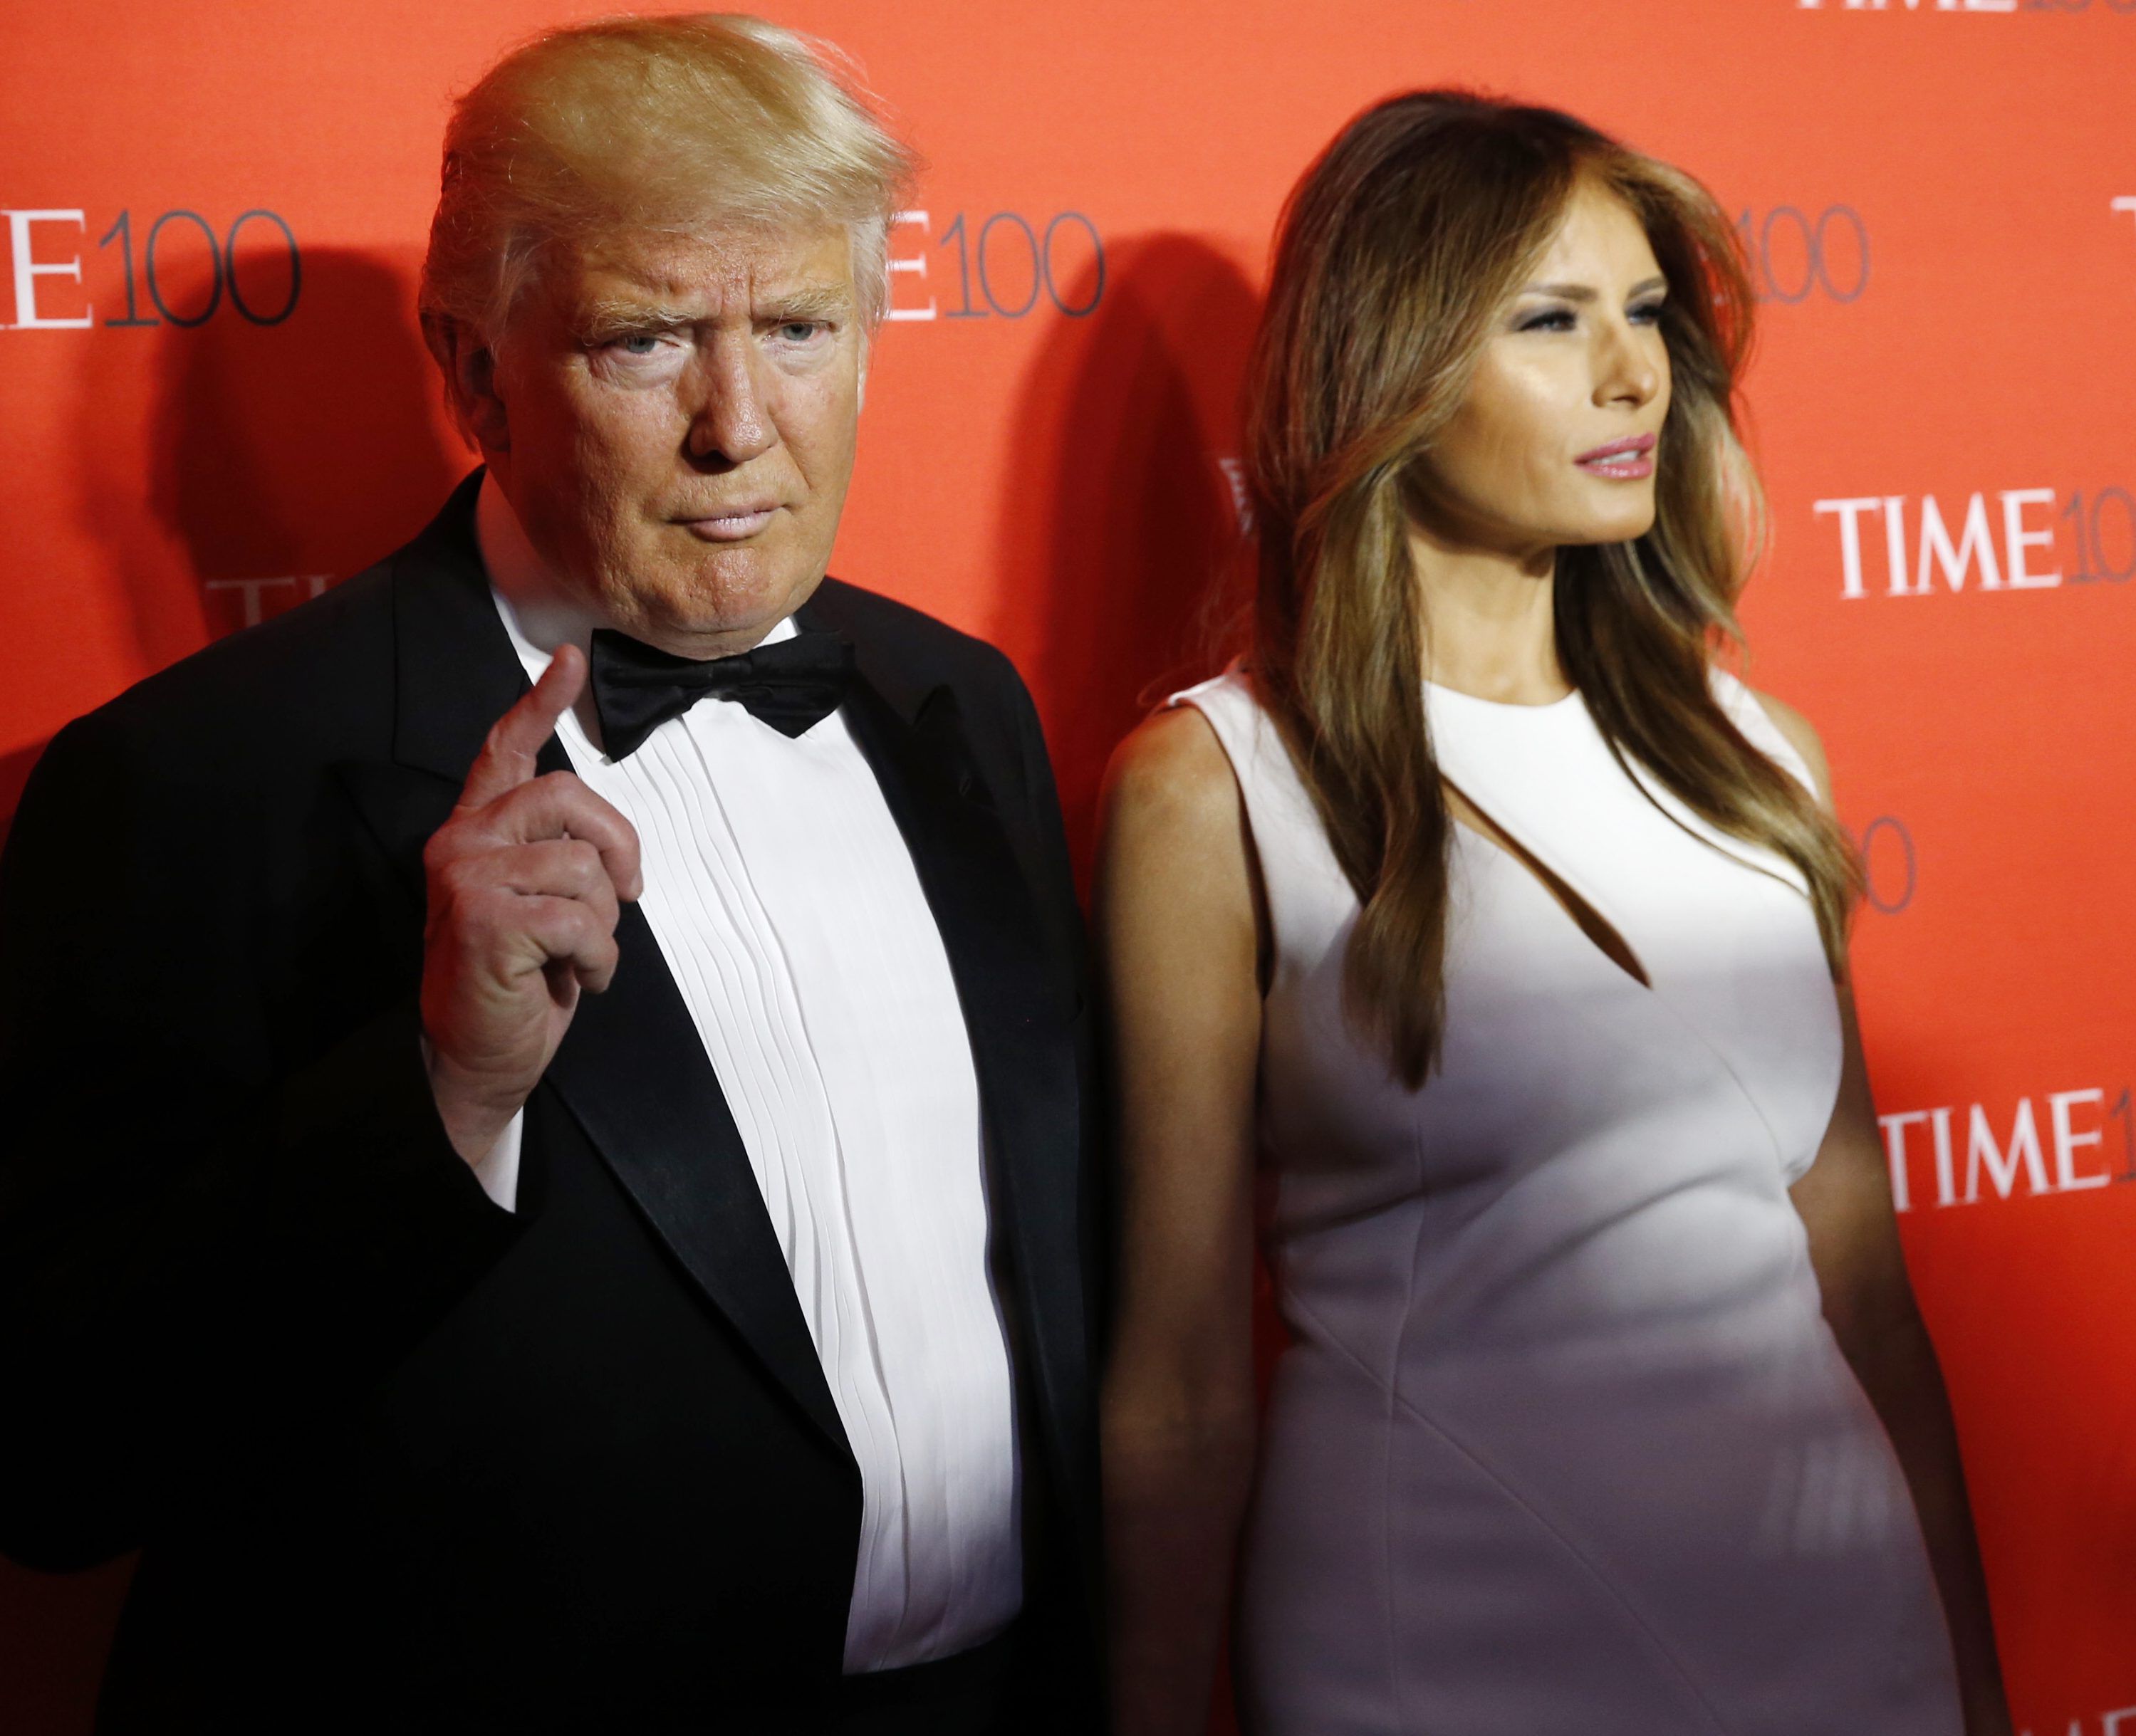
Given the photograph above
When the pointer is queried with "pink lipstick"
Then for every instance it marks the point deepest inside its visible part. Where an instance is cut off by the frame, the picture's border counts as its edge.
(1627, 460)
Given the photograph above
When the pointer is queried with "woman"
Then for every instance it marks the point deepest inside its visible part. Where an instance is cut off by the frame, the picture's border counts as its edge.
(1503, 927)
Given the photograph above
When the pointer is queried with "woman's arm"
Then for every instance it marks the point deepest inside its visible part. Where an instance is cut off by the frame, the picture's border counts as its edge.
(1845, 1201)
(1178, 935)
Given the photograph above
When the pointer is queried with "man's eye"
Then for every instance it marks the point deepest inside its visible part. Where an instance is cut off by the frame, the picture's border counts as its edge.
(638, 343)
(799, 331)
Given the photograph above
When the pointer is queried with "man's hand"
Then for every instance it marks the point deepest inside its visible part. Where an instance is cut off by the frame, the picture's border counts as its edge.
(525, 883)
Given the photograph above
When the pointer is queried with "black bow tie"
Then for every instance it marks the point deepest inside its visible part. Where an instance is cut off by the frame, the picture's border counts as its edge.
(791, 684)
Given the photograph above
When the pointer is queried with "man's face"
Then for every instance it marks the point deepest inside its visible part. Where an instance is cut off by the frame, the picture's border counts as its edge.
(674, 421)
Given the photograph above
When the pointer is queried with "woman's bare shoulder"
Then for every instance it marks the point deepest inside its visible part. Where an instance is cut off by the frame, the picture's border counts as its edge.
(1172, 771)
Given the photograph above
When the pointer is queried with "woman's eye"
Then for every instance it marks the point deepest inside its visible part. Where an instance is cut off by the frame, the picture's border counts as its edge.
(1646, 313)
(1558, 319)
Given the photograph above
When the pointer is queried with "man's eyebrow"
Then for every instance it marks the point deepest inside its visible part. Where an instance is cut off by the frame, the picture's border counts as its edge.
(611, 317)
(806, 301)
(615, 316)
(1586, 293)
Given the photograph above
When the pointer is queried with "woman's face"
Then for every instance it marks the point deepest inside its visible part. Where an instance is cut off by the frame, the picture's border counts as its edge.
(1558, 438)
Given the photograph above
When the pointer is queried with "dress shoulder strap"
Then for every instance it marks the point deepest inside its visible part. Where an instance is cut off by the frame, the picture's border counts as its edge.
(1751, 718)
(1308, 896)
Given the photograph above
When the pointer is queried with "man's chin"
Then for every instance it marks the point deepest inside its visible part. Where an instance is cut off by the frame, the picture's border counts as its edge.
(715, 608)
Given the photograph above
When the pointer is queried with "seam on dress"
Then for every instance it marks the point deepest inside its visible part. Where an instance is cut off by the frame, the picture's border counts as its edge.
(1603, 1583)
(1654, 986)
(1728, 1066)
(1661, 997)
(1394, 1682)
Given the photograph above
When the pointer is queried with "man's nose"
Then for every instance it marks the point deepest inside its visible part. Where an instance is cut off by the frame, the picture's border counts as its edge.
(731, 421)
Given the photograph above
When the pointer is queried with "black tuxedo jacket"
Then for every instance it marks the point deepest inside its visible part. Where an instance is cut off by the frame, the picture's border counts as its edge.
(396, 1458)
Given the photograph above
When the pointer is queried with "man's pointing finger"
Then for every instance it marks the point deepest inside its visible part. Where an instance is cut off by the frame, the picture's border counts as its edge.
(507, 756)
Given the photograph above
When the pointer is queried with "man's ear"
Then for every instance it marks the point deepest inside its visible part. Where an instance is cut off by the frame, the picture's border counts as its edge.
(469, 367)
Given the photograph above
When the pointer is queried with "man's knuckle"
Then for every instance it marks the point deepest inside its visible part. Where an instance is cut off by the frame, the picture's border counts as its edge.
(465, 876)
(478, 912)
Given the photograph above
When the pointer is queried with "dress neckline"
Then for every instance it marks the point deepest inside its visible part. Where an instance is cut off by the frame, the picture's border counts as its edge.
(1435, 690)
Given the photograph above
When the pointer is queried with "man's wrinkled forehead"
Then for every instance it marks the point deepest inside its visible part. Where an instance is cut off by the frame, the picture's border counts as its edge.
(718, 272)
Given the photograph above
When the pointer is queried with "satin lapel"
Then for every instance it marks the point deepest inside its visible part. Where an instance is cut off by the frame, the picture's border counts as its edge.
(455, 669)
(455, 675)
(635, 1073)
(631, 1070)
(1022, 1044)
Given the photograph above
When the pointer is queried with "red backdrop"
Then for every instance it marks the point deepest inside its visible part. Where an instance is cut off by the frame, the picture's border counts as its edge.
(214, 396)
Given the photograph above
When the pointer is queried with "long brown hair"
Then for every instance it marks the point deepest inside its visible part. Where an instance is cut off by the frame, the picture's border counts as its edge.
(1395, 252)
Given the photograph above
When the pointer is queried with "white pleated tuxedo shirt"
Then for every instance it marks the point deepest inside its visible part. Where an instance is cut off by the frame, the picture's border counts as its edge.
(787, 905)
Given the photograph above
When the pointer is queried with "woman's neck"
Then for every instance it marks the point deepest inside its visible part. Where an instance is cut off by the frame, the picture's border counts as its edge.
(1490, 626)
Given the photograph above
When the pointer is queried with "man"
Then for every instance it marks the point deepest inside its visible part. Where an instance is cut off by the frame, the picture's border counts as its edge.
(542, 1202)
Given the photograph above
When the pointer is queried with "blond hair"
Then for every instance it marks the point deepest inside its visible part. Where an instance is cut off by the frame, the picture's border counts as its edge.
(665, 125)
(1395, 252)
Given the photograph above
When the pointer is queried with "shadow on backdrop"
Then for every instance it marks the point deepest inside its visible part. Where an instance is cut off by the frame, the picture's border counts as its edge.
(289, 454)
(276, 452)
(1125, 546)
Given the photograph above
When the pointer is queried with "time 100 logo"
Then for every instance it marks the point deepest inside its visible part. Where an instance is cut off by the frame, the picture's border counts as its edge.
(145, 264)
(1004, 266)
(1891, 866)
(1793, 255)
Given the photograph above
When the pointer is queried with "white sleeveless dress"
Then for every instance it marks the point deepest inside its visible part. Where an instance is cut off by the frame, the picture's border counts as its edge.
(1562, 1444)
